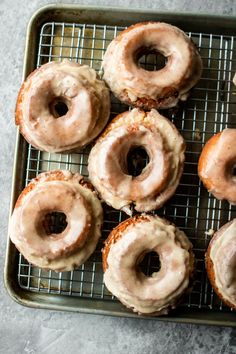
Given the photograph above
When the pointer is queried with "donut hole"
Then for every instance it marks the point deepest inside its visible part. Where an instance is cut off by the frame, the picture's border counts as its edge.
(230, 171)
(149, 264)
(59, 107)
(150, 59)
(54, 222)
(137, 160)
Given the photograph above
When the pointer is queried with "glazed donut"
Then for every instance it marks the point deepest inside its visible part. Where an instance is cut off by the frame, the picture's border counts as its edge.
(84, 102)
(151, 89)
(216, 165)
(107, 163)
(30, 229)
(221, 263)
(124, 250)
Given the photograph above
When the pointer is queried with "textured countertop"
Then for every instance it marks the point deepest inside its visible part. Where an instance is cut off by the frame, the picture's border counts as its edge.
(24, 330)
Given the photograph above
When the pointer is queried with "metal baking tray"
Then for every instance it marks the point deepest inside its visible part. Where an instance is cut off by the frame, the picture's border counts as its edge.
(82, 34)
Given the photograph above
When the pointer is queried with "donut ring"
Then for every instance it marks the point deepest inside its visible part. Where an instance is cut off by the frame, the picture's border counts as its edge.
(124, 250)
(221, 263)
(50, 192)
(151, 89)
(107, 163)
(86, 102)
(216, 165)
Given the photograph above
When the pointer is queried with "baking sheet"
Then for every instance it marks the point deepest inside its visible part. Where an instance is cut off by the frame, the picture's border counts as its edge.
(76, 33)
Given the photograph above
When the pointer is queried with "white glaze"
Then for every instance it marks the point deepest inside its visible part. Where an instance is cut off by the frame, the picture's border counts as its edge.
(223, 256)
(87, 97)
(180, 74)
(135, 290)
(61, 252)
(157, 181)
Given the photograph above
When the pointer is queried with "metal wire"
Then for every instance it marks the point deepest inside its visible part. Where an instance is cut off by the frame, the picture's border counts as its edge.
(210, 108)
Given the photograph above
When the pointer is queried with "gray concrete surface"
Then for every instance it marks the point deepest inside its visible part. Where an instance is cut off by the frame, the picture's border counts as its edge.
(24, 330)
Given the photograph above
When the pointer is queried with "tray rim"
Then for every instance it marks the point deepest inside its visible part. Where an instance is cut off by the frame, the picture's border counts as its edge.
(63, 302)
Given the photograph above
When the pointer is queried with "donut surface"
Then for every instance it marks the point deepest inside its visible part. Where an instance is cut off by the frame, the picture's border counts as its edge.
(216, 165)
(107, 163)
(221, 263)
(145, 89)
(57, 192)
(86, 102)
(125, 248)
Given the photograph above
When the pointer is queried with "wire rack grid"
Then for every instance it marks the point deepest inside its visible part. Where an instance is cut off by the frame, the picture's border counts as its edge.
(210, 108)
